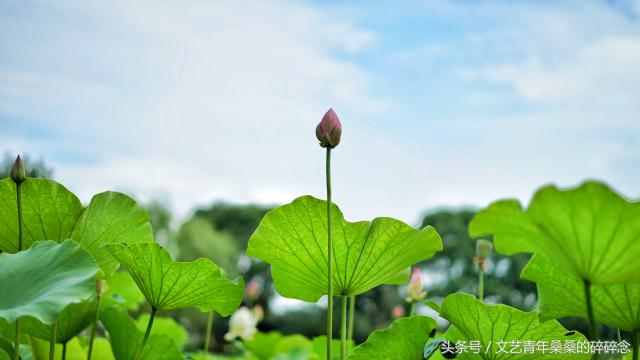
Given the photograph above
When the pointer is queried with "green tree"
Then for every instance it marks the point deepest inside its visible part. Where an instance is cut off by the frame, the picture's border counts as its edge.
(454, 269)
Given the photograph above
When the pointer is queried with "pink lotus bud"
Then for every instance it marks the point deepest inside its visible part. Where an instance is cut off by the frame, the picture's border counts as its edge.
(397, 312)
(18, 174)
(253, 290)
(329, 130)
(415, 287)
(258, 312)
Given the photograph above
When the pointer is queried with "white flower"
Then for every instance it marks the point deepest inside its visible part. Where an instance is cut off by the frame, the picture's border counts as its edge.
(242, 325)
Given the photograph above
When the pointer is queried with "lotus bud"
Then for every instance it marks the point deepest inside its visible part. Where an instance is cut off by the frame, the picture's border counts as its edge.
(253, 290)
(415, 287)
(397, 312)
(329, 130)
(483, 248)
(18, 174)
(258, 312)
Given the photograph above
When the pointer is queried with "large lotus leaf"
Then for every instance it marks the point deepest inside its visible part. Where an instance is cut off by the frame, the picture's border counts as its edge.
(44, 279)
(111, 217)
(320, 347)
(293, 239)
(263, 344)
(403, 340)
(71, 321)
(49, 212)
(75, 350)
(589, 231)
(122, 289)
(496, 326)
(6, 349)
(561, 294)
(169, 285)
(126, 338)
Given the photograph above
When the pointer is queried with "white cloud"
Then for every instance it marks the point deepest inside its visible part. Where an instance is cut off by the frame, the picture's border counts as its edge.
(205, 100)
(218, 100)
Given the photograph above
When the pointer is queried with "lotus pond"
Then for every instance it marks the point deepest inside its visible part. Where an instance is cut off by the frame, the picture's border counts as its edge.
(73, 275)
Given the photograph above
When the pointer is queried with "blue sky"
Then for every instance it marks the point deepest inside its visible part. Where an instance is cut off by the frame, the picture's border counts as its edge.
(443, 103)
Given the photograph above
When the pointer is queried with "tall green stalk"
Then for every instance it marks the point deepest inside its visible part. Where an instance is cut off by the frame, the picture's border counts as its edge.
(343, 328)
(352, 312)
(16, 354)
(208, 335)
(593, 326)
(64, 351)
(95, 323)
(146, 334)
(412, 308)
(481, 284)
(52, 341)
(329, 258)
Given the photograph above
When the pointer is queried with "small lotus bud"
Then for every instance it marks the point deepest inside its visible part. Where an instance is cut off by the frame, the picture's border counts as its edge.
(258, 312)
(415, 287)
(329, 130)
(18, 174)
(397, 312)
(253, 290)
(483, 248)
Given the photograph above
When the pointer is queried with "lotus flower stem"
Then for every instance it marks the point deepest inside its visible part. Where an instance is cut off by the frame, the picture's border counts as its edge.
(352, 311)
(481, 284)
(329, 258)
(18, 177)
(412, 309)
(95, 321)
(207, 336)
(595, 336)
(146, 334)
(343, 328)
(619, 336)
(52, 341)
(16, 353)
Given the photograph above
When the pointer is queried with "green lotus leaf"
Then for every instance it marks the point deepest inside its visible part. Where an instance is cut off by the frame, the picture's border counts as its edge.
(41, 281)
(403, 340)
(589, 231)
(495, 326)
(293, 239)
(164, 326)
(6, 349)
(71, 321)
(111, 218)
(561, 294)
(400, 278)
(49, 212)
(169, 285)
(263, 344)
(75, 350)
(122, 289)
(126, 338)
(320, 347)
